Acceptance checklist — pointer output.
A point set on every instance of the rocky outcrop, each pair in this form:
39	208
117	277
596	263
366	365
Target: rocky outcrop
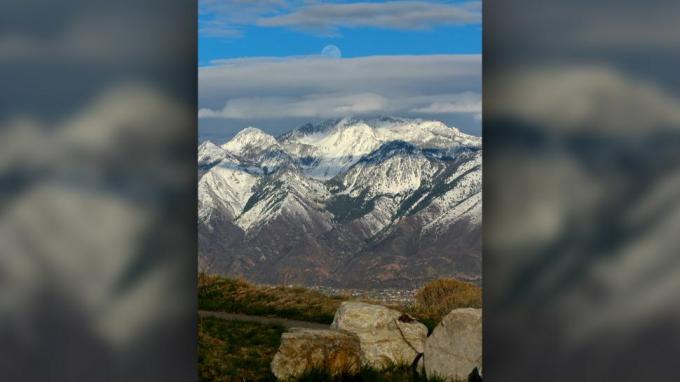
386	335
454	349
305	349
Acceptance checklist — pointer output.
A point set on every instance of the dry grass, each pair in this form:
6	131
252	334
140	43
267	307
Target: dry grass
239	296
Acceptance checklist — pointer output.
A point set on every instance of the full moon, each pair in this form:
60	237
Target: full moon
331	51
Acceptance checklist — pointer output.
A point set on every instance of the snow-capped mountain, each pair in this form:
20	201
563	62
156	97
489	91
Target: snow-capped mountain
349	202
332	148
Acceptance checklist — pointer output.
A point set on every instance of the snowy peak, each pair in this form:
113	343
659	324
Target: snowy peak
259	149
330	148
421	133
208	145
250	140
309	128
209	155
209	152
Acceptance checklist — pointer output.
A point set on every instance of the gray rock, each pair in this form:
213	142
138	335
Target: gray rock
387	336
304	349
454	348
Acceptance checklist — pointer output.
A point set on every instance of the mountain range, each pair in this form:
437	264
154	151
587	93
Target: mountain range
353	203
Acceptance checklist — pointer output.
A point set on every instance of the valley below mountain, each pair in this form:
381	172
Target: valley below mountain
360	203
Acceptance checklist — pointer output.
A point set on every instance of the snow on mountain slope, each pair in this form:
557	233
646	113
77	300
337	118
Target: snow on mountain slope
380	217
372	190
336	149
463	199
396	168
227	187
209	154
287	193
399	180
423	134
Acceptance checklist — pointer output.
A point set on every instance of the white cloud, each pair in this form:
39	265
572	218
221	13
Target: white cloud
456	103
303	87
217	28
328	18
315	105
226	18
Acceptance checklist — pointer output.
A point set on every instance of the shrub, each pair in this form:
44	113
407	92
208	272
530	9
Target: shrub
437	298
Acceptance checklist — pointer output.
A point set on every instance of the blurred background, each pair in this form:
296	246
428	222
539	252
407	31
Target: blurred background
97	190
582	190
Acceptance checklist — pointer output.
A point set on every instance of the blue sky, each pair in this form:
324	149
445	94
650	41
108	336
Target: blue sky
282	42
406	58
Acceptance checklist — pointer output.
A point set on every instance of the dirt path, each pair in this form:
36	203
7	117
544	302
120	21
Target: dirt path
263	320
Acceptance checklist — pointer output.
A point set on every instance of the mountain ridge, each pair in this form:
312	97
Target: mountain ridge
308	204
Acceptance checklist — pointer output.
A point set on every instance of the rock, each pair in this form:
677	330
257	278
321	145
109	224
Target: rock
305	349
387	336
454	349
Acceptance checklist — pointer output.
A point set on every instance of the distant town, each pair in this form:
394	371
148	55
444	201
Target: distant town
386	296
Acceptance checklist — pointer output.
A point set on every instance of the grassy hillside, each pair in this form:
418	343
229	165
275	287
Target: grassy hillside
433	301
238	296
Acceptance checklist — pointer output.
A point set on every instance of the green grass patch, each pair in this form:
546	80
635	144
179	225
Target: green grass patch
395	373
230	351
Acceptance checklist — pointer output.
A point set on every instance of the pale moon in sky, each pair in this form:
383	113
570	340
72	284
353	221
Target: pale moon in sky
331	51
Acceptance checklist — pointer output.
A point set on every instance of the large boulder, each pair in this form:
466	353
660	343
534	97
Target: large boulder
305	349
387	336
454	349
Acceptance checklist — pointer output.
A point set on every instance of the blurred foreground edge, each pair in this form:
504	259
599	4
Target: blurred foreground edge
581	188
97	190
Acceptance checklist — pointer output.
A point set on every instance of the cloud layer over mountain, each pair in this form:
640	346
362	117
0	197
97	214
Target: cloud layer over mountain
445	87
